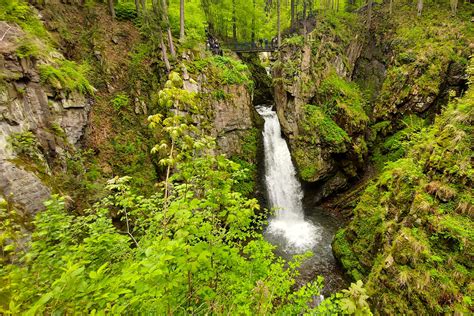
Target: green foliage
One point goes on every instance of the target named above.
(317, 121)
(120, 101)
(344, 101)
(67, 75)
(19, 12)
(24, 144)
(125, 11)
(296, 40)
(29, 47)
(424, 50)
(225, 70)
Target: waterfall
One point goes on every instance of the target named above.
(288, 226)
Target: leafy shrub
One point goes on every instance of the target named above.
(24, 144)
(125, 11)
(28, 47)
(67, 76)
(18, 11)
(297, 40)
(120, 101)
(226, 70)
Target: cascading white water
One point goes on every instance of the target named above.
(288, 227)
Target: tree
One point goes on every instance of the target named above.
(369, 13)
(165, 19)
(111, 8)
(181, 20)
(454, 6)
(419, 7)
(292, 4)
(278, 23)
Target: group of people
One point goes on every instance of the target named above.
(263, 43)
(213, 45)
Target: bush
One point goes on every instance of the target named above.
(19, 12)
(24, 144)
(120, 101)
(226, 70)
(125, 11)
(67, 76)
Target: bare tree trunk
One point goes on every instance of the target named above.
(278, 23)
(111, 8)
(234, 22)
(292, 14)
(454, 6)
(305, 31)
(252, 36)
(143, 6)
(164, 52)
(164, 8)
(137, 6)
(369, 14)
(419, 7)
(391, 7)
(181, 20)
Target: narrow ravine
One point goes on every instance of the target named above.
(289, 228)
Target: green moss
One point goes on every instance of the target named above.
(67, 76)
(343, 251)
(412, 228)
(343, 100)
(316, 121)
(19, 12)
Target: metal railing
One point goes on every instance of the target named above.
(251, 47)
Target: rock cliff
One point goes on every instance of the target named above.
(38, 124)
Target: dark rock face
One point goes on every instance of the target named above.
(26, 105)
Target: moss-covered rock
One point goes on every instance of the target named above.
(411, 236)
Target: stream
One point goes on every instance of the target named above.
(293, 228)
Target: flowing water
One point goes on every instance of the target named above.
(289, 229)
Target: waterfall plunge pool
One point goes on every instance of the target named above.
(293, 228)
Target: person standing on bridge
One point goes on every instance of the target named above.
(266, 43)
(261, 42)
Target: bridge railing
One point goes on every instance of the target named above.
(251, 47)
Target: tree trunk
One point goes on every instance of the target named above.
(292, 14)
(181, 20)
(234, 22)
(253, 23)
(419, 7)
(391, 7)
(305, 31)
(137, 7)
(111, 8)
(454, 6)
(278, 23)
(369, 13)
(164, 52)
(143, 6)
(165, 18)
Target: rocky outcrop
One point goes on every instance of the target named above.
(233, 119)
(304, 85)
(55, 120)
